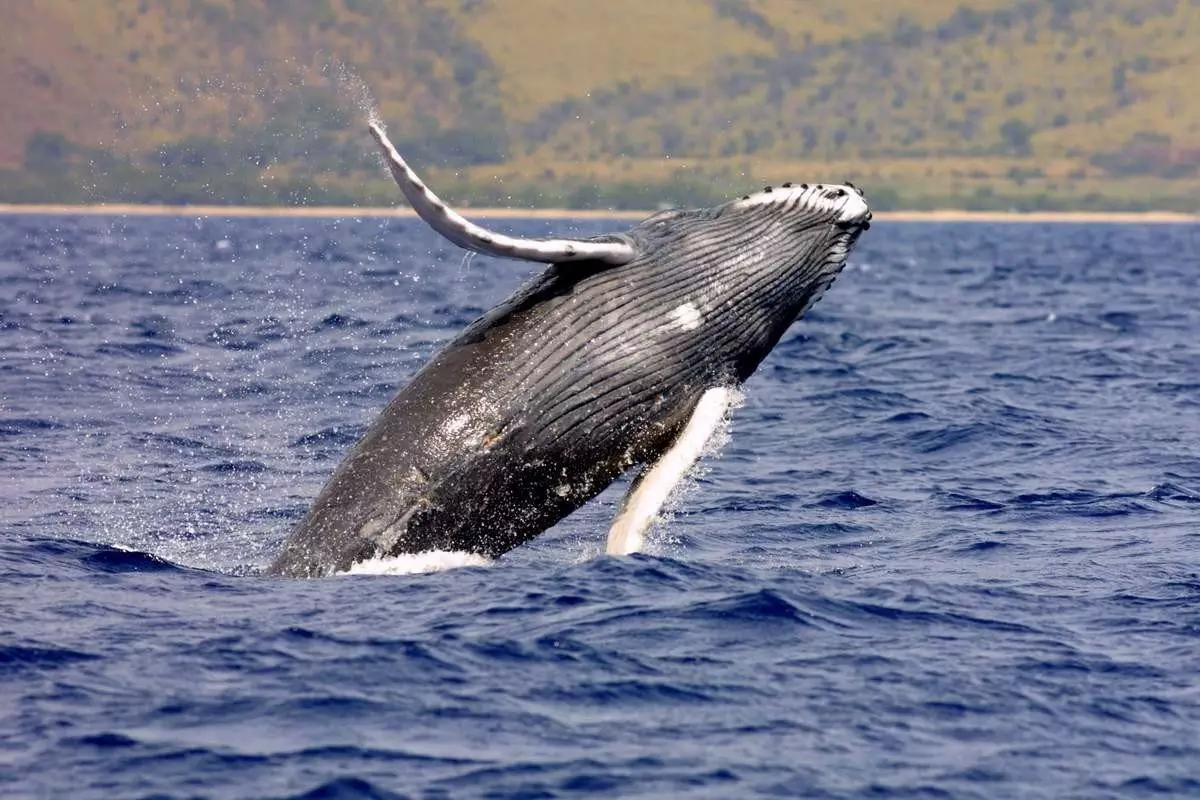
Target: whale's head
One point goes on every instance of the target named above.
(784, 244)
(792, 214)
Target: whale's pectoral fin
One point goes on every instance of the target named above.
(449, 223)
(654, 486)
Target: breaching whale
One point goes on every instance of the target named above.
(627, 350)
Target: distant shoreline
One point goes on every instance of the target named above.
(942, 215)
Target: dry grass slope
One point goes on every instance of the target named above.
(232, 99)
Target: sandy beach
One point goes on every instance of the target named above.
(942, 215)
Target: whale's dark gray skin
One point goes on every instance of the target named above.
(617, 355)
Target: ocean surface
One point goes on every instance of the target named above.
(951, 547)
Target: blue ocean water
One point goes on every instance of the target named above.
(950, 549)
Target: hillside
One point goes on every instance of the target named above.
(978, 103)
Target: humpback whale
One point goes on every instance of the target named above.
(626, 351)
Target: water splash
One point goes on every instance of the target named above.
(418, 563)
(354, 86)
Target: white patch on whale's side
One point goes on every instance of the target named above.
(456, 424)
(687, 316)
(418, 563)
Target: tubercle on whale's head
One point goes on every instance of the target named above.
(843, 204)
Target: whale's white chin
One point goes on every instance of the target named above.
(417, 563)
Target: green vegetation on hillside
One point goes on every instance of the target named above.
(967, 103)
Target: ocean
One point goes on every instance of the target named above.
(950, 548)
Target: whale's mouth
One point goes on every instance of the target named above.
(418, 563)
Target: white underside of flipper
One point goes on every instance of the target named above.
(653, 488)
(464, 233)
